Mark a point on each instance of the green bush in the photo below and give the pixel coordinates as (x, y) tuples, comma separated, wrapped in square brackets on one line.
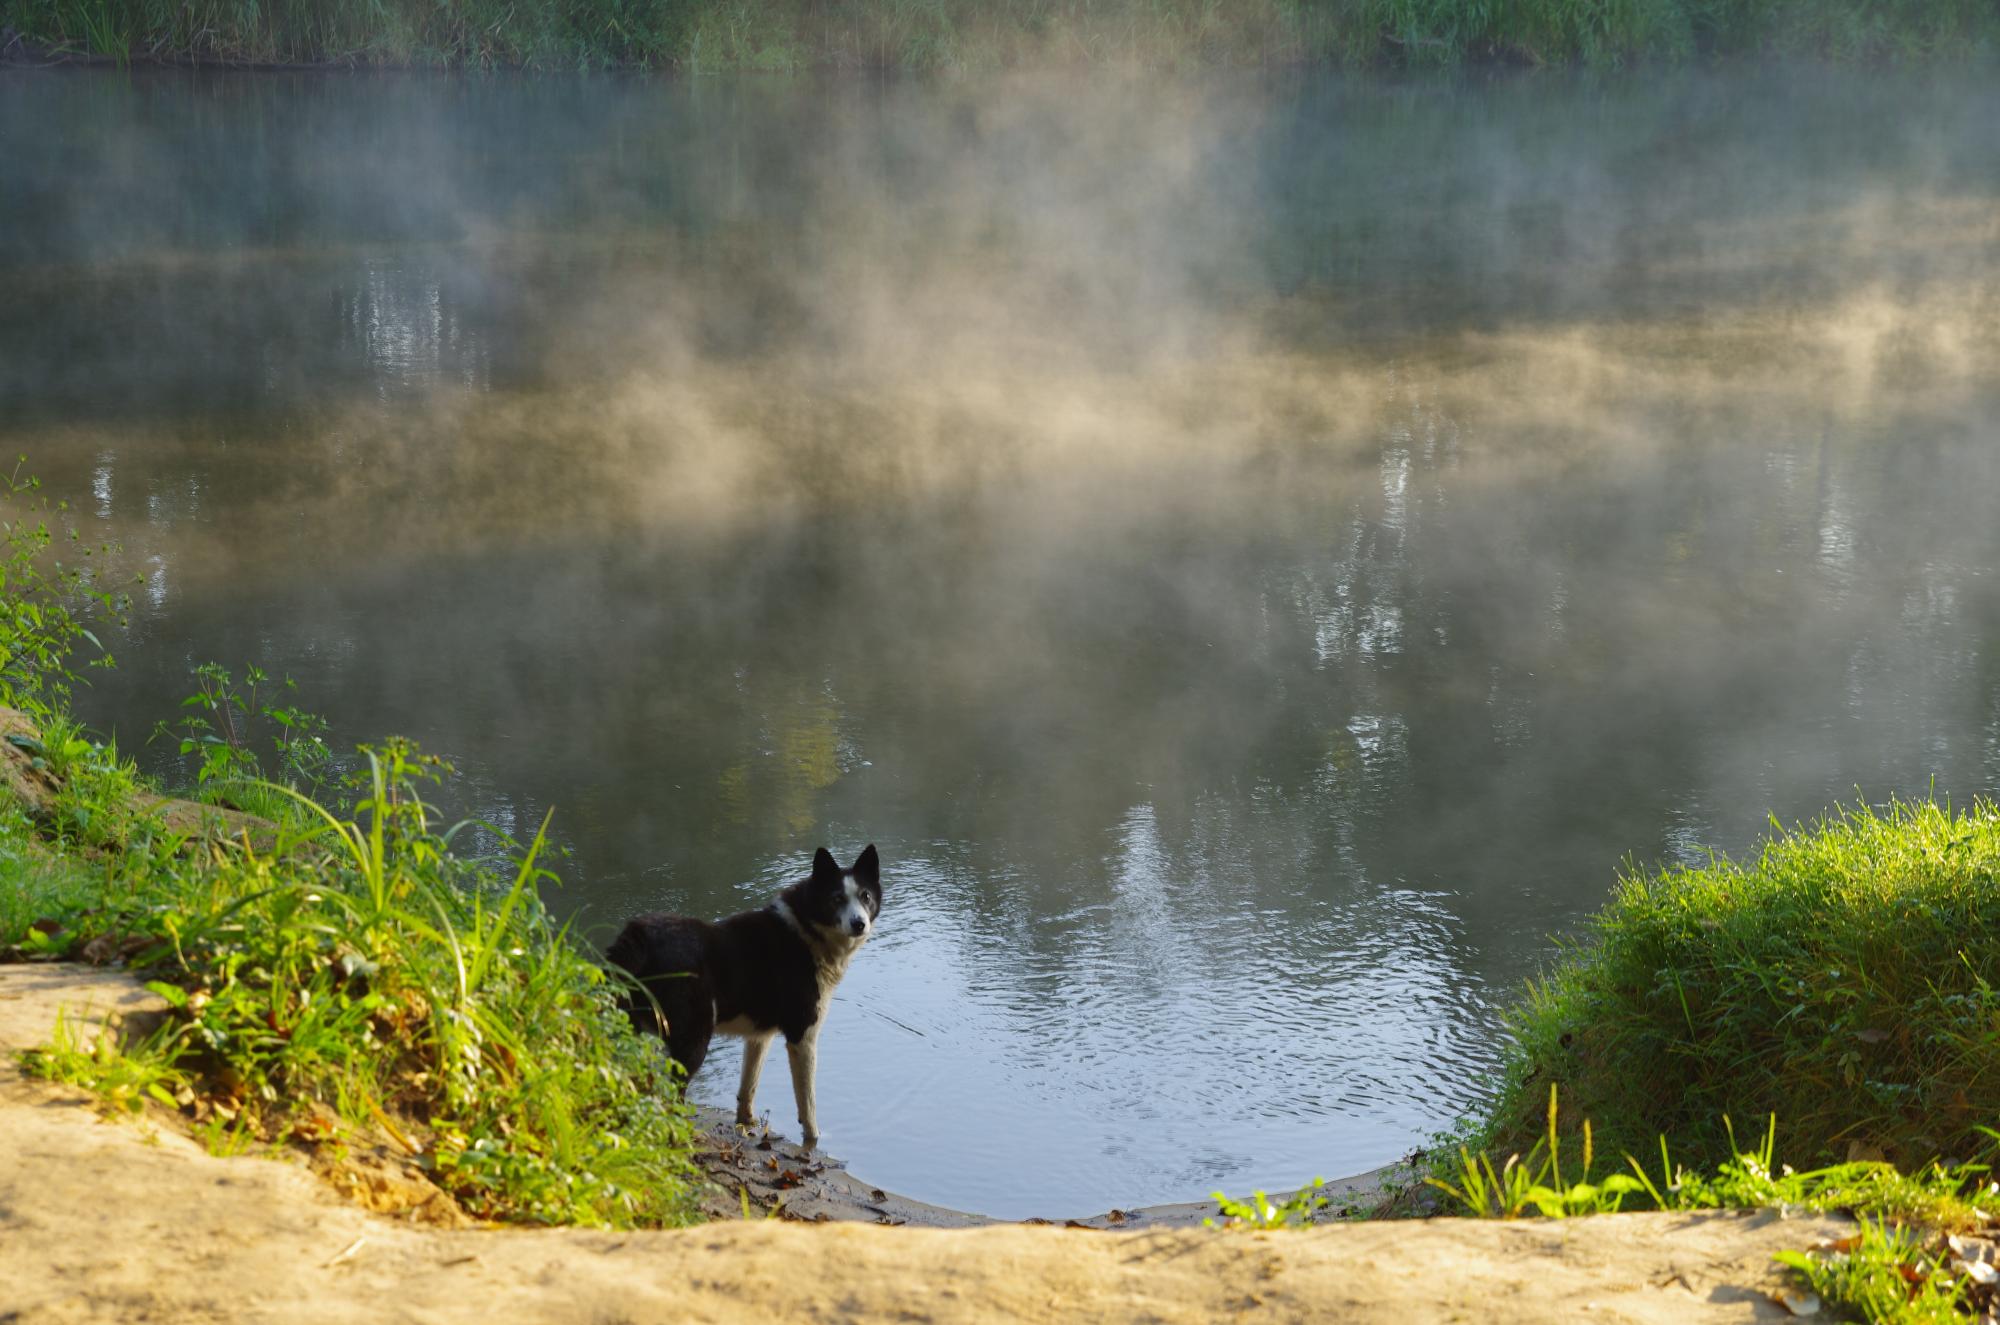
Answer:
[(1843, 981)]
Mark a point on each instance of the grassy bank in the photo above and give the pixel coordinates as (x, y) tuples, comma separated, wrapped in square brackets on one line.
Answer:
[(1843, 982), (356, 986), (1817, 1028), (343, 979), (702, 35)]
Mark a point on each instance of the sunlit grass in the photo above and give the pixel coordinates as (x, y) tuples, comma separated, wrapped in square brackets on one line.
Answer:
[(361, 967), (1886, 1274), (125, 1075), (348, 962), (1842, 981)]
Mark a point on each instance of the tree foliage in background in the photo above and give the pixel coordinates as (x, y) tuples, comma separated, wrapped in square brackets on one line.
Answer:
[(700, 35), (44, 599)]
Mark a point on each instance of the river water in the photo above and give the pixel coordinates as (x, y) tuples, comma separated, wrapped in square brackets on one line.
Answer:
[(1255, 554)]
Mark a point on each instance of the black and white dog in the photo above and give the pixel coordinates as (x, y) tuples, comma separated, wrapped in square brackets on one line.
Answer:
[(759, 974)]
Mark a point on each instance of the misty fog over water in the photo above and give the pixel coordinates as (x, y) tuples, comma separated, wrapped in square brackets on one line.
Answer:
[(1255, 555)]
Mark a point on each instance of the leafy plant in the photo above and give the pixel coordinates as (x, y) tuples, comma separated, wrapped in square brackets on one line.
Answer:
[(94, 803), (363, 968), (1299, 1209), (44, 602), (1537, 1182), (218, 727)]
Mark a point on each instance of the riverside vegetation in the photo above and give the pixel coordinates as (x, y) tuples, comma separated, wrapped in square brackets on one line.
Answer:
[(698, 35), (354, 974)]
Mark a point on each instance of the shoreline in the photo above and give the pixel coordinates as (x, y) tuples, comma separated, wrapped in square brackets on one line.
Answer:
[(783, 1180)]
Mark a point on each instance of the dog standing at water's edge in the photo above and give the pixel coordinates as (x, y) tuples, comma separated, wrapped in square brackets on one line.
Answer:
[(755, 975)]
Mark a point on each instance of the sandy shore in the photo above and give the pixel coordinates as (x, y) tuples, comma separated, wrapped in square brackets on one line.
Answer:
[(122, 1220)]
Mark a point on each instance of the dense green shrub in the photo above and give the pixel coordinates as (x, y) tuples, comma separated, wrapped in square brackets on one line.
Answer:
[(1843, 981)]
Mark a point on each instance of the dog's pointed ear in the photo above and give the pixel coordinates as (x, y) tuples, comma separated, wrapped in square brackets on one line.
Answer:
[(825, 868), (867, 866)]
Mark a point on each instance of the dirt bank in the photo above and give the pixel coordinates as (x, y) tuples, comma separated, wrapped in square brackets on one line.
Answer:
[(132, 1221)]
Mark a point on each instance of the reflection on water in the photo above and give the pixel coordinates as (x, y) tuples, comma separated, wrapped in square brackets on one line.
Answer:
[(1254, 557)]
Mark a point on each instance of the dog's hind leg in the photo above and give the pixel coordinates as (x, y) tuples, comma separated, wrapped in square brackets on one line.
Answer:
[(753, 1064), (804, 1053)]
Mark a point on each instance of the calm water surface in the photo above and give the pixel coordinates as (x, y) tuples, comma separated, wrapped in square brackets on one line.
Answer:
[(1254, 555)]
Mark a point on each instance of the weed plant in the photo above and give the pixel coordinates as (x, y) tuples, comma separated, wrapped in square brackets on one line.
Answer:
[(49, 586), (217, 730), (1301, 1208), (1934, 1197), (701, 35), (126, 1076), (1885, 1275)]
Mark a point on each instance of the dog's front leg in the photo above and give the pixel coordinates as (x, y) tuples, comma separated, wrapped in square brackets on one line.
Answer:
[(753, 1066), (804, 1053)]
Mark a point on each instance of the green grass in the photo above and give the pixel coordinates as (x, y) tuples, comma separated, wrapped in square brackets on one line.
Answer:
[(1901, 1266), (126, 1075), (358, 967), (1886, 1274), (703, 35), (362, 968), (1842, 981), (1302, 1208), (1565, 1177)]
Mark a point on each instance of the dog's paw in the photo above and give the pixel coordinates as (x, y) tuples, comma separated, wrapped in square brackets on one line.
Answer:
[(810, 1141), (744, 1118)]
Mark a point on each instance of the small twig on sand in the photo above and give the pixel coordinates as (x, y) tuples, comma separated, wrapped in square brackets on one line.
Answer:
[(347, 1253)]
